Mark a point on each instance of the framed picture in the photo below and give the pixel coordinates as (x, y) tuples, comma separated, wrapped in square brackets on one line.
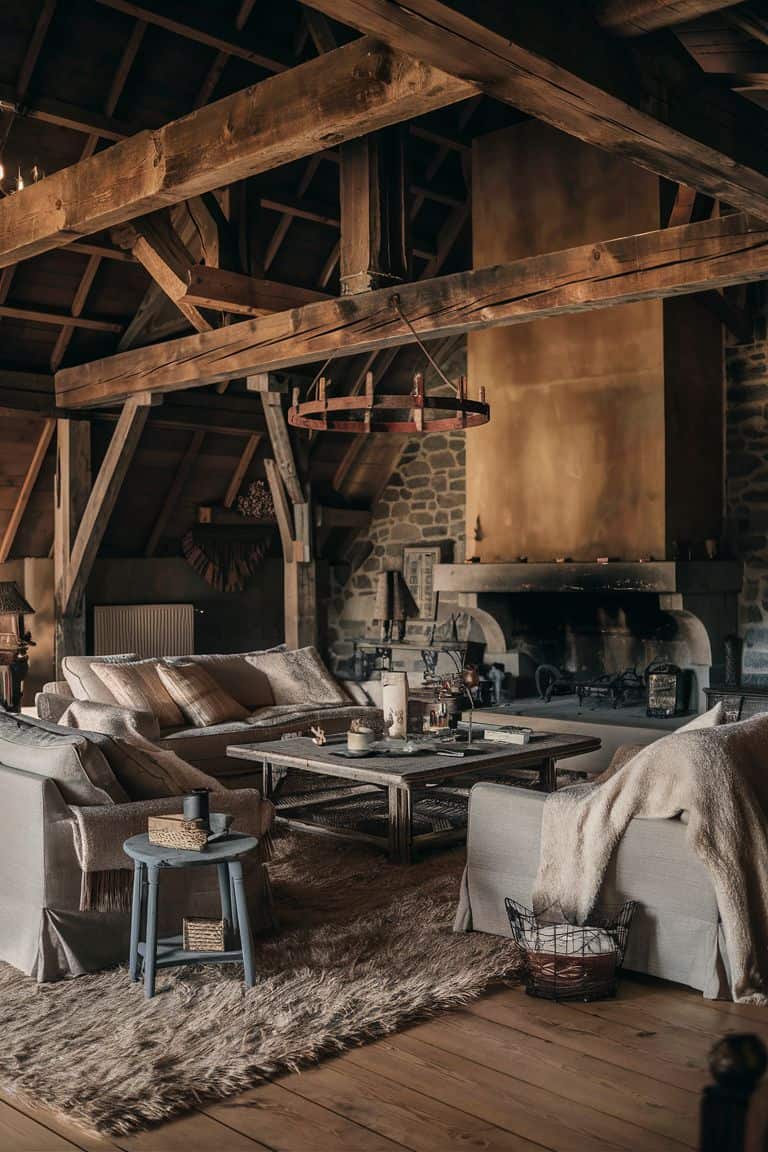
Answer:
[(418, 573)]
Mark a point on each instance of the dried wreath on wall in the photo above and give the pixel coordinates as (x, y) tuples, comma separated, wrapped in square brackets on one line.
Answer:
[(224, 564), (257, 502)]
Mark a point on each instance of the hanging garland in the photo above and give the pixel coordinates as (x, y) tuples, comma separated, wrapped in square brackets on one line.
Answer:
[(224, 564)]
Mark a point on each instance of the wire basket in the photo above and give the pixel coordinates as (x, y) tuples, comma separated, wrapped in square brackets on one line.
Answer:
[(571, 961)]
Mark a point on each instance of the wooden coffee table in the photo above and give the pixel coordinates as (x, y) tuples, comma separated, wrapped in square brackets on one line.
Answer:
[(400, 777)]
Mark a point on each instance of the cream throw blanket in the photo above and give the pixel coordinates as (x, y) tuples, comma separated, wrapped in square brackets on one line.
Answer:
[(719, 776)]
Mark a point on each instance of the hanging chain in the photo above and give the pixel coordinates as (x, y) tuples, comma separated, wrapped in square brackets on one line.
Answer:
[(399, 309)]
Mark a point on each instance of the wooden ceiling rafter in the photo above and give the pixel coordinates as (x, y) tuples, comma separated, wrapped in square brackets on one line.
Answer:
[(650, 102), (222, 44), (636, 17), (31, 57), (94, 261)]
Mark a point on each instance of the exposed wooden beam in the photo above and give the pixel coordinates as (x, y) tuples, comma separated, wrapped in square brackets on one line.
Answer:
[(245, 295), (194, 223), (213, 75), (154, 242), (281, 444), (636, 17), (283, 511), (375, 247), (26, 392), (174, 492), (115, 91), (30, 479), (359, 88), (106, 489), (708, 254), (88, 248), (651, 103), (64, 115), (59, 319), (242, 466)]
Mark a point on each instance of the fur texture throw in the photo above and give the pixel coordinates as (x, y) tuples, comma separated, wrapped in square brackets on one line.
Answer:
[(719, 777)]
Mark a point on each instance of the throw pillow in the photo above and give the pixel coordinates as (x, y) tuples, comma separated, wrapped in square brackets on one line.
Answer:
[(73, 759), (138, 686), (241, 680), (200, 698), (78, 671), (299, 677)]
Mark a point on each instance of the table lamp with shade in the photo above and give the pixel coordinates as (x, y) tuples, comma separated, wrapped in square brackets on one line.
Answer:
[(14, 642)]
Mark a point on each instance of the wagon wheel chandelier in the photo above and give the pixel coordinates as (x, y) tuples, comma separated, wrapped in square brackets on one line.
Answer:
[(373, 411)]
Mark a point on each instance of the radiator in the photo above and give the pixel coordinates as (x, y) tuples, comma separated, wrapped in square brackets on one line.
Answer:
[(147, 629)]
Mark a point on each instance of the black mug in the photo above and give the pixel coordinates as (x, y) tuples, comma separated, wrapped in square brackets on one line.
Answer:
[(196, 806)]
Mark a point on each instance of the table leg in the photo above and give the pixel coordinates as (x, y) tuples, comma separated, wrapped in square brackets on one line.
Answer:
[(246, 939), (400, 815), (267, 786), (233, 904), (150, 945), (224, 894), (138, 891), (548, 775)]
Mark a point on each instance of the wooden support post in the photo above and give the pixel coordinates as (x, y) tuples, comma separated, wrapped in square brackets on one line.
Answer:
[(73, 485), (106, 488), (293, 510), (375, 236), (33, 471)]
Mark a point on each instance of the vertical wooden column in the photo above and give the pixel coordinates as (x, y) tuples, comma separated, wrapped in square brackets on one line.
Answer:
[(293, 510), (73, 486), (375, 232), (295, 521)]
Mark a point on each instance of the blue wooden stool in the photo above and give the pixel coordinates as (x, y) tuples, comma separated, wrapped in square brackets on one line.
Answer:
[(148, 861)]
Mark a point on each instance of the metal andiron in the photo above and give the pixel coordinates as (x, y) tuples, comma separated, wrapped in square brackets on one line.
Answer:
[(14, 642)]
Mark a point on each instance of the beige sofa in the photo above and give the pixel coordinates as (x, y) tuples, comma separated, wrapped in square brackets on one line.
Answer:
[(279, 702)]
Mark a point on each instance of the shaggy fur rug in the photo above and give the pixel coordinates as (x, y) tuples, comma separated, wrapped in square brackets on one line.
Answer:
[(364, 948)]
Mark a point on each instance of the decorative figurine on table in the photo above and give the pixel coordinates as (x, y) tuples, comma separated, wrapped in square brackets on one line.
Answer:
[(318, 735)]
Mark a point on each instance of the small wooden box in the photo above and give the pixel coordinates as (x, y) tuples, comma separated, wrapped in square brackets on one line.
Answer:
[(173, 831), (201, 934)]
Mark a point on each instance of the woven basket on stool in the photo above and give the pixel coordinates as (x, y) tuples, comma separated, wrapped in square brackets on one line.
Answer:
[(202, 934)]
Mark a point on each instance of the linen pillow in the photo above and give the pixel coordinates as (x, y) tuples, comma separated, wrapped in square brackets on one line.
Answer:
[(241, 680), (138, 686), (79, 673), (73, 759), (200, 698), (299, 677)]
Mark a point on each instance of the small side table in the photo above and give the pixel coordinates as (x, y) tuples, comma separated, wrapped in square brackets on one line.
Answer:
[(149, 860)]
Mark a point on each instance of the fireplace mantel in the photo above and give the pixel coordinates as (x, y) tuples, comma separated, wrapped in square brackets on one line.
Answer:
[(692, 577)]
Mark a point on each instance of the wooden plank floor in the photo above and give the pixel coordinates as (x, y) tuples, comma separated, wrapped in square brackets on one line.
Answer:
[(508, 1072)]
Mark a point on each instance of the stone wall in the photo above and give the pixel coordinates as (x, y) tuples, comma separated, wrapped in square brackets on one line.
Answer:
[(747, 463), (422, 504)]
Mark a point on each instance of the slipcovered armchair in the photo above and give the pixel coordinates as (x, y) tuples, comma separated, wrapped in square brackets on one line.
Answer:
[(55, 782)]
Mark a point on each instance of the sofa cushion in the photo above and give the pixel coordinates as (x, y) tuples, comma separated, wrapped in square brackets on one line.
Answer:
[(83, 681), (138, 686), (72, 758), (201, 699), (242, 680), (299, 677)]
